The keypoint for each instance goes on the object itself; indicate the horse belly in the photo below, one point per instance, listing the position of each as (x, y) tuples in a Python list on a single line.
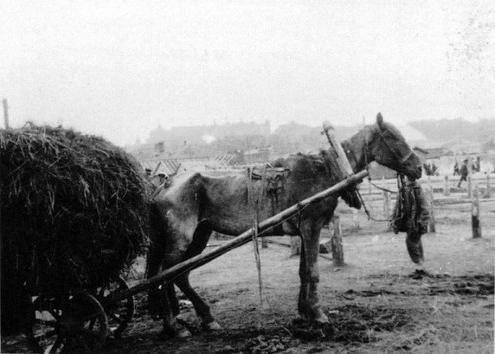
[(235, 219)]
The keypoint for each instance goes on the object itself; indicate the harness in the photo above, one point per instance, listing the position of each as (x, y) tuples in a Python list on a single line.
[(273, 183)]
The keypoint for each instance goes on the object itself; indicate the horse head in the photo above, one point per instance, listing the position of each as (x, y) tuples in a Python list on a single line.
[(383, 143)]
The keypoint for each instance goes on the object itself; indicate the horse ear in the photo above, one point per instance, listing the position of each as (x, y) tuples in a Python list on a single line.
[(379, 120)]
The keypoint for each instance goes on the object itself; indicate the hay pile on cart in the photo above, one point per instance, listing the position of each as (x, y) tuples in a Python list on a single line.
[(73, 214)]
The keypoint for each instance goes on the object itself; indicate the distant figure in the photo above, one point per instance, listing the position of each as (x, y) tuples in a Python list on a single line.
[(433, 169), (477, 164), (463, 172), (426, 168), (456, 169)]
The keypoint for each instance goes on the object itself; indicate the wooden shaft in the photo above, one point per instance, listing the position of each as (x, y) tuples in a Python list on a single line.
[(238, 241), (342, 160)]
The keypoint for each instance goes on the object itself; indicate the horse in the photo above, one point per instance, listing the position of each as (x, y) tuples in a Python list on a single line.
[(184, 215)]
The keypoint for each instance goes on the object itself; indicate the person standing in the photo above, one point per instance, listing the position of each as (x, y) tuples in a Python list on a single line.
[(463, 172), (456, 169)]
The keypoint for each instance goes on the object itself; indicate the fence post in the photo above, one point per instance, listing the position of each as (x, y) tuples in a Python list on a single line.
[(336, 241), (475, 214), (487, 192), (295, 246), (355, 219), (469, 187), (431, 220), (386, 207), (446, 188), (264, 242)]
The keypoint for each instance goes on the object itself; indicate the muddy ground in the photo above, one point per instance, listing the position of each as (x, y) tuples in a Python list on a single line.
[(379, 302)]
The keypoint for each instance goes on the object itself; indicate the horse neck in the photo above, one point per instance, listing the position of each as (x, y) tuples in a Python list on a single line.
[(355, 148)]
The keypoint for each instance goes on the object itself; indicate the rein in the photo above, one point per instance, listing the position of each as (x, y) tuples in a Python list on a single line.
[(366, 210)]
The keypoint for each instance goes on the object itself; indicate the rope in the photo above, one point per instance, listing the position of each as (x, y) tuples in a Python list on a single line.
[(366, 210), (381, 188)]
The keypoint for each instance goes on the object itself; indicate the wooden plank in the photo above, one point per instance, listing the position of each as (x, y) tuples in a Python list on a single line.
[(245, 237)]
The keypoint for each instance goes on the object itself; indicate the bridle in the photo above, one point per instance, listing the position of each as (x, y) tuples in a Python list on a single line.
[(381, 135)]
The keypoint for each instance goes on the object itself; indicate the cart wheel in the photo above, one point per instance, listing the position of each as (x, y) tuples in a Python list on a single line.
[(79, 325), (120, 313)]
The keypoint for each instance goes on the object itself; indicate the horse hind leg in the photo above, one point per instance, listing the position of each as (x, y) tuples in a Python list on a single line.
[(200, 239), (202, 309)]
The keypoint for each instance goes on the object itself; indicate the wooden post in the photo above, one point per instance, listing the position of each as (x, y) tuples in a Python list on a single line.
[(355, 219), (336, 241), (469, 187), (446, 188), (431, 221), (487, 193), (295, 246), (475, 214), (6, 113), (386, 208), (264, 242)]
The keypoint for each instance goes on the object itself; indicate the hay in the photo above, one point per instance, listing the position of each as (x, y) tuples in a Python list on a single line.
[(73, 210)]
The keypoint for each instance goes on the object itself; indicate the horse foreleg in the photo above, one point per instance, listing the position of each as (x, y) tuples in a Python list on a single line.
[(308, 305), (200, 306), (174, 303), (170, 309)]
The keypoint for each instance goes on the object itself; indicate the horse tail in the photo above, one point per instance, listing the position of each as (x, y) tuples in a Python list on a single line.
[(154, 258), (157, 230)]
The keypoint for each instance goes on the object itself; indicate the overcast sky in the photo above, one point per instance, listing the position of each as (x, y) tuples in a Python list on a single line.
[(120, 68)]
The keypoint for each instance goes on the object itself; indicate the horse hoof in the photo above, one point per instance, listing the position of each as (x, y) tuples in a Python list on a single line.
[(212, 326), (322, 319), (183, 333)]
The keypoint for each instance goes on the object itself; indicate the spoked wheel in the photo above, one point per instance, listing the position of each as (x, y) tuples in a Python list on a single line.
[(78, 325), (119, 313)]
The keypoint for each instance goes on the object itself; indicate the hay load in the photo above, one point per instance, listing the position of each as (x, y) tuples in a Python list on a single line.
[(73, 213)]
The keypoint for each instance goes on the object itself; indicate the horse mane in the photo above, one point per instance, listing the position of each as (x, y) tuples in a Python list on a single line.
[(323, 163)]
